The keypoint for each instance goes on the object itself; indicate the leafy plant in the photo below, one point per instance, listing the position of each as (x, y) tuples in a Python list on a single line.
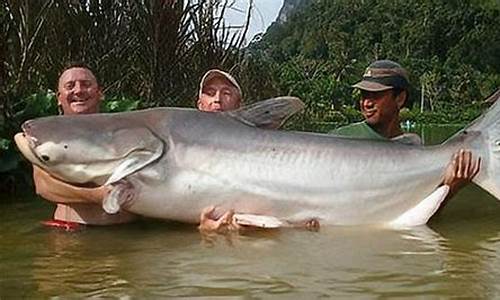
[(119, 104), (452, 53)]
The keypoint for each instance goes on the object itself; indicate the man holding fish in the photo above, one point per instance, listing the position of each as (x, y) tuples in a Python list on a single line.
[(384, 92), (79, 93), (219, 92)]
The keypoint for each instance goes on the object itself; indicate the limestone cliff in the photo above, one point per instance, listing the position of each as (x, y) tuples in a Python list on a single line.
[(289, 7)]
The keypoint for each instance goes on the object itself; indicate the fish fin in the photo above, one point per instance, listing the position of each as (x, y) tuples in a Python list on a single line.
[(258, 221), (129, 166), (489, 118), (121, 194), (483, 139), (268, 114), (150, 148), (423, 211)]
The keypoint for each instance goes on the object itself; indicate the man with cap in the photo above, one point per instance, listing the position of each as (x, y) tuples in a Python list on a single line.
[(384, 91), (219, 91)]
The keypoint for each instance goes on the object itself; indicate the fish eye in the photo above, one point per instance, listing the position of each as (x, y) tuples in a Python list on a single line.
[(65, 146), (45, 158), (497, 143)]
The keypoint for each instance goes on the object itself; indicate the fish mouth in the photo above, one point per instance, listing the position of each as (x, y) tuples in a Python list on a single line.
[(26, 144)]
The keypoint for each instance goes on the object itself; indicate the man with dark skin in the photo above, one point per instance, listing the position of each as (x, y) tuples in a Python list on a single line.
[(384, 92), (77, 93)]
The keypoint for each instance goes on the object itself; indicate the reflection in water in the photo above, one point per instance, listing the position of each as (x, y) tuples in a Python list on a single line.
[(470, 225), (457, 257), (73, 263)]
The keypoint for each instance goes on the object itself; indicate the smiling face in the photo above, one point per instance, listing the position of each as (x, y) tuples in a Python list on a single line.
[(218, 94), (380, 109), (78, 92)]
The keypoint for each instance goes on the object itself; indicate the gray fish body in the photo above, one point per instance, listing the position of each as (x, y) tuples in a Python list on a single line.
[(180, 161), (214, 160)]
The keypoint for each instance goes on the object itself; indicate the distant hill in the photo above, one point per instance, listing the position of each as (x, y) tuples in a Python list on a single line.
[(289, 7), (318, 48), (305, 24)]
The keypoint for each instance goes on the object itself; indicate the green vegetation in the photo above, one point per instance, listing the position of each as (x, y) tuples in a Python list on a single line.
[(149, 53), (451, 48), (144, 52)]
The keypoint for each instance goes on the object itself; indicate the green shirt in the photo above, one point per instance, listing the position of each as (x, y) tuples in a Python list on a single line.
[(363, 131)]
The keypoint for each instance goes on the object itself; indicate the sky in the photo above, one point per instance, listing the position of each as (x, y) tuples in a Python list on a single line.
[(264, 13)]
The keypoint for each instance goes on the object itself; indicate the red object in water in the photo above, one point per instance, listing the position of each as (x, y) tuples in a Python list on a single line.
[(65, 225)]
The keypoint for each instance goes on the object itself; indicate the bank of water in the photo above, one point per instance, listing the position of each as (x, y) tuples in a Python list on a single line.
[(456, 255)]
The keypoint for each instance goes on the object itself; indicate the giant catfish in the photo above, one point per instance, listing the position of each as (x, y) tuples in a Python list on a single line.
[(170, 163)]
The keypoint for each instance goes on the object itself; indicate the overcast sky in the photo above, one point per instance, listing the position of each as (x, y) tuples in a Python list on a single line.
[(264, 13)]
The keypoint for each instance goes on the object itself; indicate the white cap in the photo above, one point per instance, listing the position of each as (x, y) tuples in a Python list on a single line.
[(210, 74)]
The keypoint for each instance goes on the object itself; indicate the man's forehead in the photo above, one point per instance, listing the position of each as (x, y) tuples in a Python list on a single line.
[(74, 74)]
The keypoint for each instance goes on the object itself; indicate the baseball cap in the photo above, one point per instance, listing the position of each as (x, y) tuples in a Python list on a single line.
[(210, 74), (383, 75)]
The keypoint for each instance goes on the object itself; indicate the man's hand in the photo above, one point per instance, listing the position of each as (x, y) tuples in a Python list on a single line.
[(210, 223), (461, 170)]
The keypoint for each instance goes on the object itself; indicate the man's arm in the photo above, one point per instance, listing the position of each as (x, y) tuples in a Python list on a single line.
[(58, 191)]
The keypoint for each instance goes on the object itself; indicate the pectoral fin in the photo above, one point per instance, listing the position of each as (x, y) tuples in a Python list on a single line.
[(268, 114), (132, 164), (121, 194), (145, 148)]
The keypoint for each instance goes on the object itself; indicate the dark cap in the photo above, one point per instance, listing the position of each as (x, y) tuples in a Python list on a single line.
[(383, 75)]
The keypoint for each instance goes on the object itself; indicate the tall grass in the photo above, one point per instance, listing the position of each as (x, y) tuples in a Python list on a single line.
[(152, 50)]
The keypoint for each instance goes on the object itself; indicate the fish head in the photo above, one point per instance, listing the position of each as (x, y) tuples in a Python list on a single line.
[(97, 148)]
